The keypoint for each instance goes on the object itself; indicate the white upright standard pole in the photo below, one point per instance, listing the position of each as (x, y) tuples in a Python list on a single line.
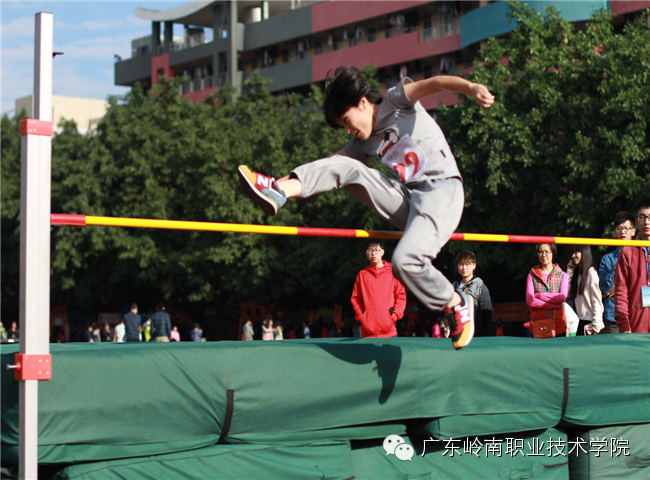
[(35, 200)]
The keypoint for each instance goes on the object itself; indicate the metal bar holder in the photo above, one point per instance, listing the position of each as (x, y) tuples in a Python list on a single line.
[(32, 367)]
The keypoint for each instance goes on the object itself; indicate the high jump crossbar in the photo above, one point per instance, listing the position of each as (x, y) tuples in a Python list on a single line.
[(84, 220)]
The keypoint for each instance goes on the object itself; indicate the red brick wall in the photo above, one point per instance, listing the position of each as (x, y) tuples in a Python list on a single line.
[(621, 8), (336, 13), (389, 51)]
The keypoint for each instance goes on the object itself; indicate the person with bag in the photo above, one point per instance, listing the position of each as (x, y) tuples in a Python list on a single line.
[(584, 287), (546, 292)]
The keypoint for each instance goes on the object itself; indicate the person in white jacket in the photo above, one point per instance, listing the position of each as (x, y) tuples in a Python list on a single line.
[(584, 288)]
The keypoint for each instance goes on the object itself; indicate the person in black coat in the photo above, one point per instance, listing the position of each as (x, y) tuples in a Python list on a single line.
[(132, 323)]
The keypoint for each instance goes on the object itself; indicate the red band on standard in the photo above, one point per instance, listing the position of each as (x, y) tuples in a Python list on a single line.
[(33, 367), (31, 126), (65, 219)]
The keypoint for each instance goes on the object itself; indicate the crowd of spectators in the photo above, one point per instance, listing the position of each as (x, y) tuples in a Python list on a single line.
[(614, 299), (136, 327)]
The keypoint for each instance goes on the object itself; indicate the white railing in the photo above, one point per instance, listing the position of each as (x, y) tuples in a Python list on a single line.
[(202, 84), (394, 31), (440, 31)]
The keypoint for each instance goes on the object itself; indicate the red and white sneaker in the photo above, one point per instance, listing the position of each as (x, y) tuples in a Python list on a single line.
[(264, 190), (461, 321)]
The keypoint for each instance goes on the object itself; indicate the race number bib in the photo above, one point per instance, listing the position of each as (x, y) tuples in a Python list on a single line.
[(406, 159), (645, 297)]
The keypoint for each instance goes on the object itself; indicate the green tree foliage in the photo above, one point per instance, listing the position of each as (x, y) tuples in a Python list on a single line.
[(10, 210), (157, 155), (567, 143)]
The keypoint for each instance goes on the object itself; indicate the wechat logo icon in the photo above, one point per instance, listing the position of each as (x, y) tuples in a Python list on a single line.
[(395, 445)]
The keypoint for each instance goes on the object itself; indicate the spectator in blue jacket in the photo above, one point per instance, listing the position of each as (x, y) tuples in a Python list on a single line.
[(623, 230)]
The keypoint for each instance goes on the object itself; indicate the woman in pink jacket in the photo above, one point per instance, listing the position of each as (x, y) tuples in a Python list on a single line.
[(547, 285)]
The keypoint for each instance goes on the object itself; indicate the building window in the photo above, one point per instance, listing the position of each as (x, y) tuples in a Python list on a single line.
[(318, 48), (337, 43), (372, 34), (285, 56), (353, 42), (428, 71), (427, 21)]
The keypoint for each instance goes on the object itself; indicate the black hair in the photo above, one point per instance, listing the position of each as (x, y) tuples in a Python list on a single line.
[(344, 89), (622, 217), (160, 306), (644, 203), (553, 250), (466, 256), (375, 241), (586, 262), (134, 306)]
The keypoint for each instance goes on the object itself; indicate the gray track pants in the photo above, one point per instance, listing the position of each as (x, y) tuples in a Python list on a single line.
[(428, 211)]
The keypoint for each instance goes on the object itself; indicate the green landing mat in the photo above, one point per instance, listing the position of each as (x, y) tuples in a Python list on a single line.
[(541, 455), (616, 451), (317, 461), (110, 401)]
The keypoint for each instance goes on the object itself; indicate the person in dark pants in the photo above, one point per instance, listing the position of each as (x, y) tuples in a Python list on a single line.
[(623, 230), (472, 285), (88, 336), (161, 324), (132, 323), (106, 335)]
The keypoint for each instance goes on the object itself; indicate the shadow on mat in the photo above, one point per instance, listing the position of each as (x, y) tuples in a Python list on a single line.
[(387, 357)]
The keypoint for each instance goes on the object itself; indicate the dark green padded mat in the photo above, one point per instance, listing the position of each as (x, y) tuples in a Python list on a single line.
[(110, 401)]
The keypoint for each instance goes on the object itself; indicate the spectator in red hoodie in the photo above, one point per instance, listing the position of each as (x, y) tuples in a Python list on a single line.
[(632, 279), (378, 298)]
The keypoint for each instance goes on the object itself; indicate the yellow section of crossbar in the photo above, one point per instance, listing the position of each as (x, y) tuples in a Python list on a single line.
[(181, 225)]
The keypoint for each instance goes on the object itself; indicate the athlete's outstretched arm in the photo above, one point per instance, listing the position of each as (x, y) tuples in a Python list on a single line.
[(440, 83)]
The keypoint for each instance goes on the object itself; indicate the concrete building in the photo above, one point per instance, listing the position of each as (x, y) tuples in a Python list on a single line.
[(86, 112), (295, 43)]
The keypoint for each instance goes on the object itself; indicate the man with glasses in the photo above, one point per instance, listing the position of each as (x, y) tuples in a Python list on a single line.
[(378, 298), (623, 230), (632, 279)]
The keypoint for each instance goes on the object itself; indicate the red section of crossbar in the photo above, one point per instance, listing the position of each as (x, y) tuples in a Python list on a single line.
[(32, 126), (65, 219), (326, 232)]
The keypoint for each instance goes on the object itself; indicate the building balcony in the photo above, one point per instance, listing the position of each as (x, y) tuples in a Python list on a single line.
[(388, 51), (287, 75), (491, 21), (440, 31), (282, 28), (136, 69), (200, 84)]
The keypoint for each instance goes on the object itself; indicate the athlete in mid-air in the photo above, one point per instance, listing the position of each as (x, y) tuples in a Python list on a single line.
[(426, 197)]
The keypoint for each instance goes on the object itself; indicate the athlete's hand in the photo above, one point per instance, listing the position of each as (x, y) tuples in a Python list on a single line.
[(482, 95)]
